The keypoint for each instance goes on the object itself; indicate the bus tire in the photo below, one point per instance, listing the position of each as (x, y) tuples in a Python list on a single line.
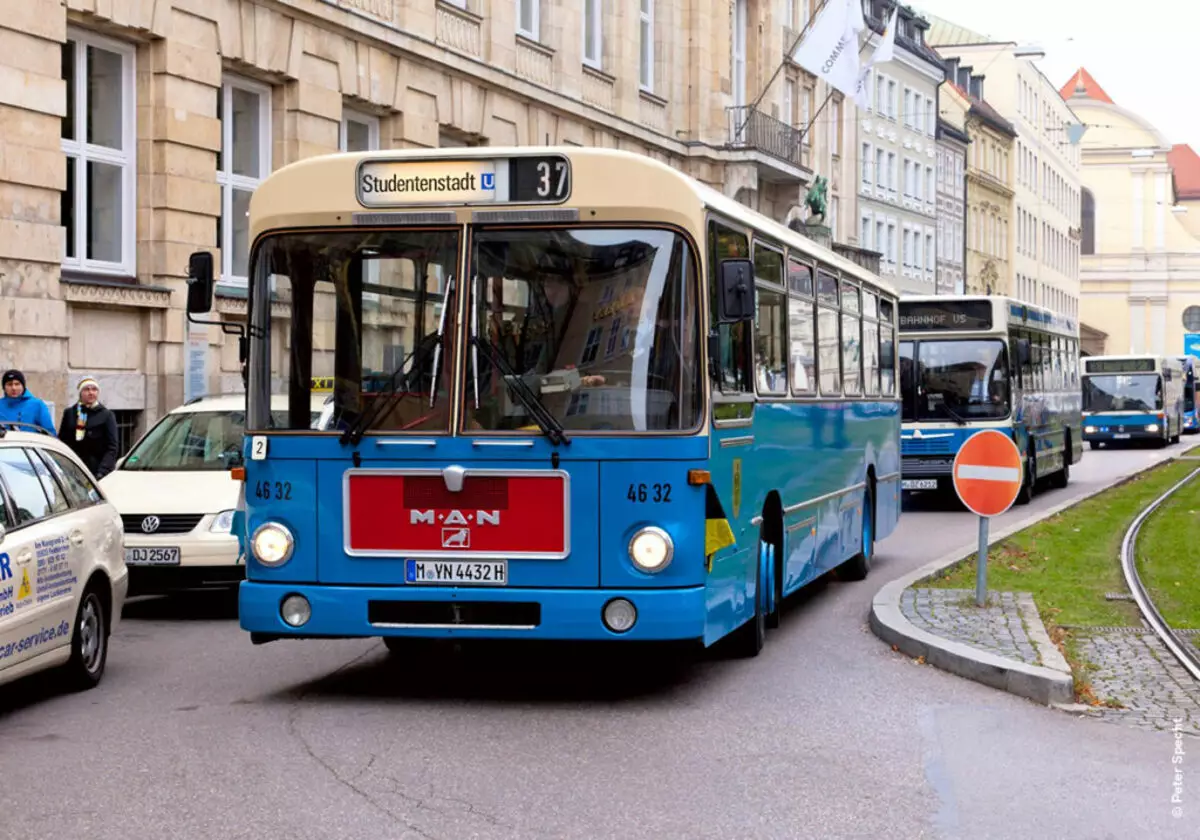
[(1063, 477), (859, 566), (772, 563), (1094, 444), (1027, 491), (750, 637)]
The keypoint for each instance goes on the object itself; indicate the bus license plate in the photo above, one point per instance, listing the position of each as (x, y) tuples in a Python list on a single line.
[(1121, 437), (919, 484), (458, 572), (152, 557)]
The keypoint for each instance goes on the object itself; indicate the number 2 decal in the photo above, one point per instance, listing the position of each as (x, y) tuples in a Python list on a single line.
[(642, 493), (258, 448)]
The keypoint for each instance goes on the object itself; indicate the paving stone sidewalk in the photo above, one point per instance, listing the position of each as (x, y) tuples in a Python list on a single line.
[(1134, 668), (999, 627)]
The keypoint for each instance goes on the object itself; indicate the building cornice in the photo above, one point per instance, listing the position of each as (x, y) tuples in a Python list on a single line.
[(983, 180), (101, 292)]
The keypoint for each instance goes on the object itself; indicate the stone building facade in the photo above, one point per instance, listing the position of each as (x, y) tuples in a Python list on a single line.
[(952, 143), (133, 132)]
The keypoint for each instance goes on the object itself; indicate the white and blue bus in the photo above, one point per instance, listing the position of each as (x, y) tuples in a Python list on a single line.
[(1191, 417), (971, 362), (1132, 398)]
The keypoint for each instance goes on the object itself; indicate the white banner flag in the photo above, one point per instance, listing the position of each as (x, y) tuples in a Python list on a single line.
[(830, 50), (886, 51)]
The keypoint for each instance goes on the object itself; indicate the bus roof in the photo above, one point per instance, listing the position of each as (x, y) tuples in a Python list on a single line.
[(321, 191)]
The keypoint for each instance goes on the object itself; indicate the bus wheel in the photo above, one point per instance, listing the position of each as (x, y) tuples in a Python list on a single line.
[(1094, 444), (1063, 477), (859, 566), (1025, 496), (751, 636)]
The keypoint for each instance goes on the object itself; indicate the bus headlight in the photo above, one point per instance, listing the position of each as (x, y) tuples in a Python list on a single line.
[(1152, 427), (651, 549), (223, 523), (1091, 430), (272, 544)]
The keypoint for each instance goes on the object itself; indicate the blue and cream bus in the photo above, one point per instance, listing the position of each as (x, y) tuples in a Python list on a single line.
[(1191, 414), (1132, 398), (972, 362), (618, 405)]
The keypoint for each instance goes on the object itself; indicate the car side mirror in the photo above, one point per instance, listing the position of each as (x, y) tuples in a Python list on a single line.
[(200, 283), (735, 291)]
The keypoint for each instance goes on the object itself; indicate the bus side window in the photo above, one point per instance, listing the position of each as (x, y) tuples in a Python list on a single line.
[(851, 341), (1014, 360), (829, 340), (770, 340), (733, 339), (802, 327), (887, 348)]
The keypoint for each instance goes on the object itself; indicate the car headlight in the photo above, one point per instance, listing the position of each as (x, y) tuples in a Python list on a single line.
[(272, 544), (651, 549), (223, 523)]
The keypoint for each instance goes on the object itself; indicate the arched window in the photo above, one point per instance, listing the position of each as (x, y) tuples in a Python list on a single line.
[(1088, 215)]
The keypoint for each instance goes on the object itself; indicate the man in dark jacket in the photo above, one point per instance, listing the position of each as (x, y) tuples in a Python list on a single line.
[(90, 430)]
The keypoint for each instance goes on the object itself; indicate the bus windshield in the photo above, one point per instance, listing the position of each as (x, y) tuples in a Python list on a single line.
[(1123, 392), (1189, 391), (367, 309), (600, 323), (954, 379)]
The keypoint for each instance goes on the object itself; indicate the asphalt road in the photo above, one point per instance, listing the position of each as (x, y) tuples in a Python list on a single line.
[(828, 733)]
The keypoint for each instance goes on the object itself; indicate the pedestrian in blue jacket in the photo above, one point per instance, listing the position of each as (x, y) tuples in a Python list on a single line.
[(20, 406)]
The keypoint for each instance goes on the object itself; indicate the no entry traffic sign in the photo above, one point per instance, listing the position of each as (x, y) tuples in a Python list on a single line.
[(987, 473)]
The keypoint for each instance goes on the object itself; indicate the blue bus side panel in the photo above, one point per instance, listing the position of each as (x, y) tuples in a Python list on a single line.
[(802, 451)]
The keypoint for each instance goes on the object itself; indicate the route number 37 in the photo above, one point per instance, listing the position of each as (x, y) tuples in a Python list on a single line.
[(641, 493)]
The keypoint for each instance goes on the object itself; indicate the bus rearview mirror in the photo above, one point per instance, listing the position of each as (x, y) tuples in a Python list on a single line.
[(735, 291), (200, 283)]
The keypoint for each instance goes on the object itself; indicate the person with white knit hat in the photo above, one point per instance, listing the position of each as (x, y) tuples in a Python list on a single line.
[(90, 429)]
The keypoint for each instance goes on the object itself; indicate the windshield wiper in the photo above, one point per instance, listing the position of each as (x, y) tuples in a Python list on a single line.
[(546, 421), (392, 393), (954, 414)]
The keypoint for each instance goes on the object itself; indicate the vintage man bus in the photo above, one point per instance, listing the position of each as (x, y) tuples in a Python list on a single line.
[(1132, 398), (969, 363), (614, 404)]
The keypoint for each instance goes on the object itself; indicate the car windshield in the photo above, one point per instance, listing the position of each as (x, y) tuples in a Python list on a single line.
[(954, 379), (601, 325), (194, 440), (1123, 392), (365, 309)]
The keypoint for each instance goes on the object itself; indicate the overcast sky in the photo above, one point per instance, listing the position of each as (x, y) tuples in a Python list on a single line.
[(1145, 61)]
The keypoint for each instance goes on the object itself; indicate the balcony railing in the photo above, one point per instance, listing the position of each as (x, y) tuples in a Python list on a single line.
[(750, 128)]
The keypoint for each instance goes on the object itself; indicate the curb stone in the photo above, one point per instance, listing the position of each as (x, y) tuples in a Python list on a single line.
[(1050, 685)]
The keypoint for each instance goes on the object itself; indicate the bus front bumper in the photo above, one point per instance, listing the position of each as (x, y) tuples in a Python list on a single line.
[(1105, 432), (926, 472), (482, 613)]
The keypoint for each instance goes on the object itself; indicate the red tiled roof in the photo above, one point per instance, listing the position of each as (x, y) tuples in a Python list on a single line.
[(1186, 165), (1091, 89)]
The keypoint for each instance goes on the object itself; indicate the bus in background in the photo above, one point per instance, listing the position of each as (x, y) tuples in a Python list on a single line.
[(1132, 398), (1191, 416), (971, 362), (618, 405)]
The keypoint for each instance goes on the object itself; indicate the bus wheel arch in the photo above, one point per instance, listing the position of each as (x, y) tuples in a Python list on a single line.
[(859, 566)]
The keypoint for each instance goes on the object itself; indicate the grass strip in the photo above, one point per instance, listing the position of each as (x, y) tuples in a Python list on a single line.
[(1070, 561), (1166, 556)]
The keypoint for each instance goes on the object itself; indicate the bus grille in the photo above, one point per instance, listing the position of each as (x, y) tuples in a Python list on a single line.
[(429, 492), (913, 446), (455, 613)]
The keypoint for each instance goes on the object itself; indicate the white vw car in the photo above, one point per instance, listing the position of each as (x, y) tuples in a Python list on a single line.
[(62, 565)]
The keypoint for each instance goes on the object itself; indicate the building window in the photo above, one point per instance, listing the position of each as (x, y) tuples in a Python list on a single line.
[(127, 423), (866, 164), (243, 162), (789, 101), (99, 140), (646, 28), (738, 52), (864, 234), (529, 18), (359, 133), (593, 41), (880, 169), (1088, 222), (835, 128), (833, 215)]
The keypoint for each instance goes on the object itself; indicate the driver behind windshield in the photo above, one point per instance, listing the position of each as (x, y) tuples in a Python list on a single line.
[(982, 386)]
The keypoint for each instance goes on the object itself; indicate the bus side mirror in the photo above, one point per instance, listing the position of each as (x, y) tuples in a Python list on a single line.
[(200, 283), (1024, 352), (735, 291)]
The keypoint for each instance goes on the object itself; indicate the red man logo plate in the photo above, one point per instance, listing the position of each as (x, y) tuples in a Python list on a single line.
[(987, 473)]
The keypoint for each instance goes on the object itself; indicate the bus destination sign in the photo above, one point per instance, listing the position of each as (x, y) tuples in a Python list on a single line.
[(934, 316), (1119, 365), (537, 179)]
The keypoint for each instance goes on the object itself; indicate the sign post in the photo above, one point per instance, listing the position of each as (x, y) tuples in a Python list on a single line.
[(987, 479)]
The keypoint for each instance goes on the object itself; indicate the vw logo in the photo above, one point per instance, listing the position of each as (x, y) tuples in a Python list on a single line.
[(150, 524)]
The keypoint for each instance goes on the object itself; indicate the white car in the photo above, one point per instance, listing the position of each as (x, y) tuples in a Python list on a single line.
[(62, 564), (176, 496)]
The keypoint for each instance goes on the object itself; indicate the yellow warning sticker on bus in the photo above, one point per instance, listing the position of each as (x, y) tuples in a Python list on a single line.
[(322, 384)]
